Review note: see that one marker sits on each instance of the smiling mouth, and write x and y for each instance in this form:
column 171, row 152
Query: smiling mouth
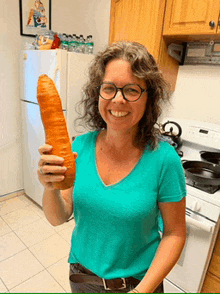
column 119, row 113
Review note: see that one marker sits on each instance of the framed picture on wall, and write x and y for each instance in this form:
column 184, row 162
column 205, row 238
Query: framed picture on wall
column 35, row 16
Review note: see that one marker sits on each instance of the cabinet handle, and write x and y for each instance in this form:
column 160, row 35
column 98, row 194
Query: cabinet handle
column 212, row 24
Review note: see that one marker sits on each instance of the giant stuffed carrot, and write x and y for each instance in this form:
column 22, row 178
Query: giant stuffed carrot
column 55, row 128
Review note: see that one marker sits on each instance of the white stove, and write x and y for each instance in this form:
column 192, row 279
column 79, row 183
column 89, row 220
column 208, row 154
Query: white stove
column 196, row 137
column 202, row 212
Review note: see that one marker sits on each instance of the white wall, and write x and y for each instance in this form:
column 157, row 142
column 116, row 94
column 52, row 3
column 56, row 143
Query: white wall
column 197, row 94
column 79, row 16
column 10, row 124
column 86, row 17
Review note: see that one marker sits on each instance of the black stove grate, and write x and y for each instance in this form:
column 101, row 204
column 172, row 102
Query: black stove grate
column 206, row 188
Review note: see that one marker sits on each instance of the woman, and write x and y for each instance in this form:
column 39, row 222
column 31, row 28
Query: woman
column 125, row 177
column 38, row 14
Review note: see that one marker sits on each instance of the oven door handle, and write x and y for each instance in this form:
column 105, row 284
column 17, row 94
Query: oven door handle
column 198, row 224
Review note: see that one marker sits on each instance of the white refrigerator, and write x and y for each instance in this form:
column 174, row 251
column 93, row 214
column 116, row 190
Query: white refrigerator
column 69, row 72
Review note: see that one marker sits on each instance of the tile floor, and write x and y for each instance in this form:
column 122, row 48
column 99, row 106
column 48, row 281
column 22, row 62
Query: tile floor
column 33, row 254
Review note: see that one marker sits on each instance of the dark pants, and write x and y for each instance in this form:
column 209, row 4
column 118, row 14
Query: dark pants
column 88, row 288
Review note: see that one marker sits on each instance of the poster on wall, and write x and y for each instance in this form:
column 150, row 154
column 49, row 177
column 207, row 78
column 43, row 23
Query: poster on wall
column 35, row 16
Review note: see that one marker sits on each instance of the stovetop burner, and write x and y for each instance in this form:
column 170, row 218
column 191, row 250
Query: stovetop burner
column 198, row 137
column 206, row 188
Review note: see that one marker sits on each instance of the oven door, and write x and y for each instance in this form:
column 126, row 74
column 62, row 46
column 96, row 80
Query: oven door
column 170, row 288
column 189, row 272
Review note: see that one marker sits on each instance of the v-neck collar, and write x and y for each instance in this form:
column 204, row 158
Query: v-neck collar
column 97, row 171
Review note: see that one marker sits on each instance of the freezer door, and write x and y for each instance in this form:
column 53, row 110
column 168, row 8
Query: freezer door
column 32, row 138
column 37, row 62
column 78, row 65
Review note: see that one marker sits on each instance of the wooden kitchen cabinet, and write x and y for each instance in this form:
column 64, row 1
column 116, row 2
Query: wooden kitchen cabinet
column 142, row 21
column 212, row 284
column 138, row 20
column 212, row 280
column 191, row 17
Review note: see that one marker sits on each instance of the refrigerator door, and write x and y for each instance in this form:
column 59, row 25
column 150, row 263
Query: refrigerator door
column 78, row 65
column 32, row 138
column 37, row 62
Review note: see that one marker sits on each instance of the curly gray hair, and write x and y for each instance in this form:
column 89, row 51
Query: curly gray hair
column 143, row 66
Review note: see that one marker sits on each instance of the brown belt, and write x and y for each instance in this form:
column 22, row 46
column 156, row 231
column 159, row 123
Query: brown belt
column 86, row 276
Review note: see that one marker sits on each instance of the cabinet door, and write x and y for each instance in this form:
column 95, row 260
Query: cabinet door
column 212, row 279
column 191, row 17
column 211, row 284
column 138, row 20
column 214, row 267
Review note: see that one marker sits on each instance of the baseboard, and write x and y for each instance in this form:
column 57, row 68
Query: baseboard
column 11, row 195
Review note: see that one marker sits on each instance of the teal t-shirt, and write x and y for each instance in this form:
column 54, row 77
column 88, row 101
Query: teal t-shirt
column 117, row 228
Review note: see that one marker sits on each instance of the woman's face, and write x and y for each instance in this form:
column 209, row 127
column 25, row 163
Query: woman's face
column 119, row 114
column 37, row 3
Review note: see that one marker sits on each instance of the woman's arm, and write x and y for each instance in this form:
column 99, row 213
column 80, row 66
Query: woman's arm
column 58, row 205
column 171, row 246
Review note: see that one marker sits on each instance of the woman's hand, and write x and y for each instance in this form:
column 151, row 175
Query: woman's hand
column 50, row 167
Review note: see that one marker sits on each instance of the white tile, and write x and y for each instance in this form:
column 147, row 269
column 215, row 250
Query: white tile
column 19, row 268
column 34, row 233
column 66, row 225
column 70, row 224
column 32, row 205
column 60, row 272
column 51, row 250
column 21, row 217
column 26, row 199
column 10, row 205
column 41, row 283
column 10, row 244
column 4, row 228
column 66, row 234
column 3, row 288
column 37, row 209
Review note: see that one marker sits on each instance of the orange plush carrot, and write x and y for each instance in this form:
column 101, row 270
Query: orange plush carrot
column 55, row 128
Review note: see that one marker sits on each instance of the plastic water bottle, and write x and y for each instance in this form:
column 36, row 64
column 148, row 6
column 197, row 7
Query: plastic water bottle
column 69, row 39
column 72, row 43
column 86, row 51
column 77, row 44
column 81, row 44
column 64, row 42
column 89, row 45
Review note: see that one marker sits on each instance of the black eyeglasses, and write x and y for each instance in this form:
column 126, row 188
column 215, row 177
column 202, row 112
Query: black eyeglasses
column 130, row 92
